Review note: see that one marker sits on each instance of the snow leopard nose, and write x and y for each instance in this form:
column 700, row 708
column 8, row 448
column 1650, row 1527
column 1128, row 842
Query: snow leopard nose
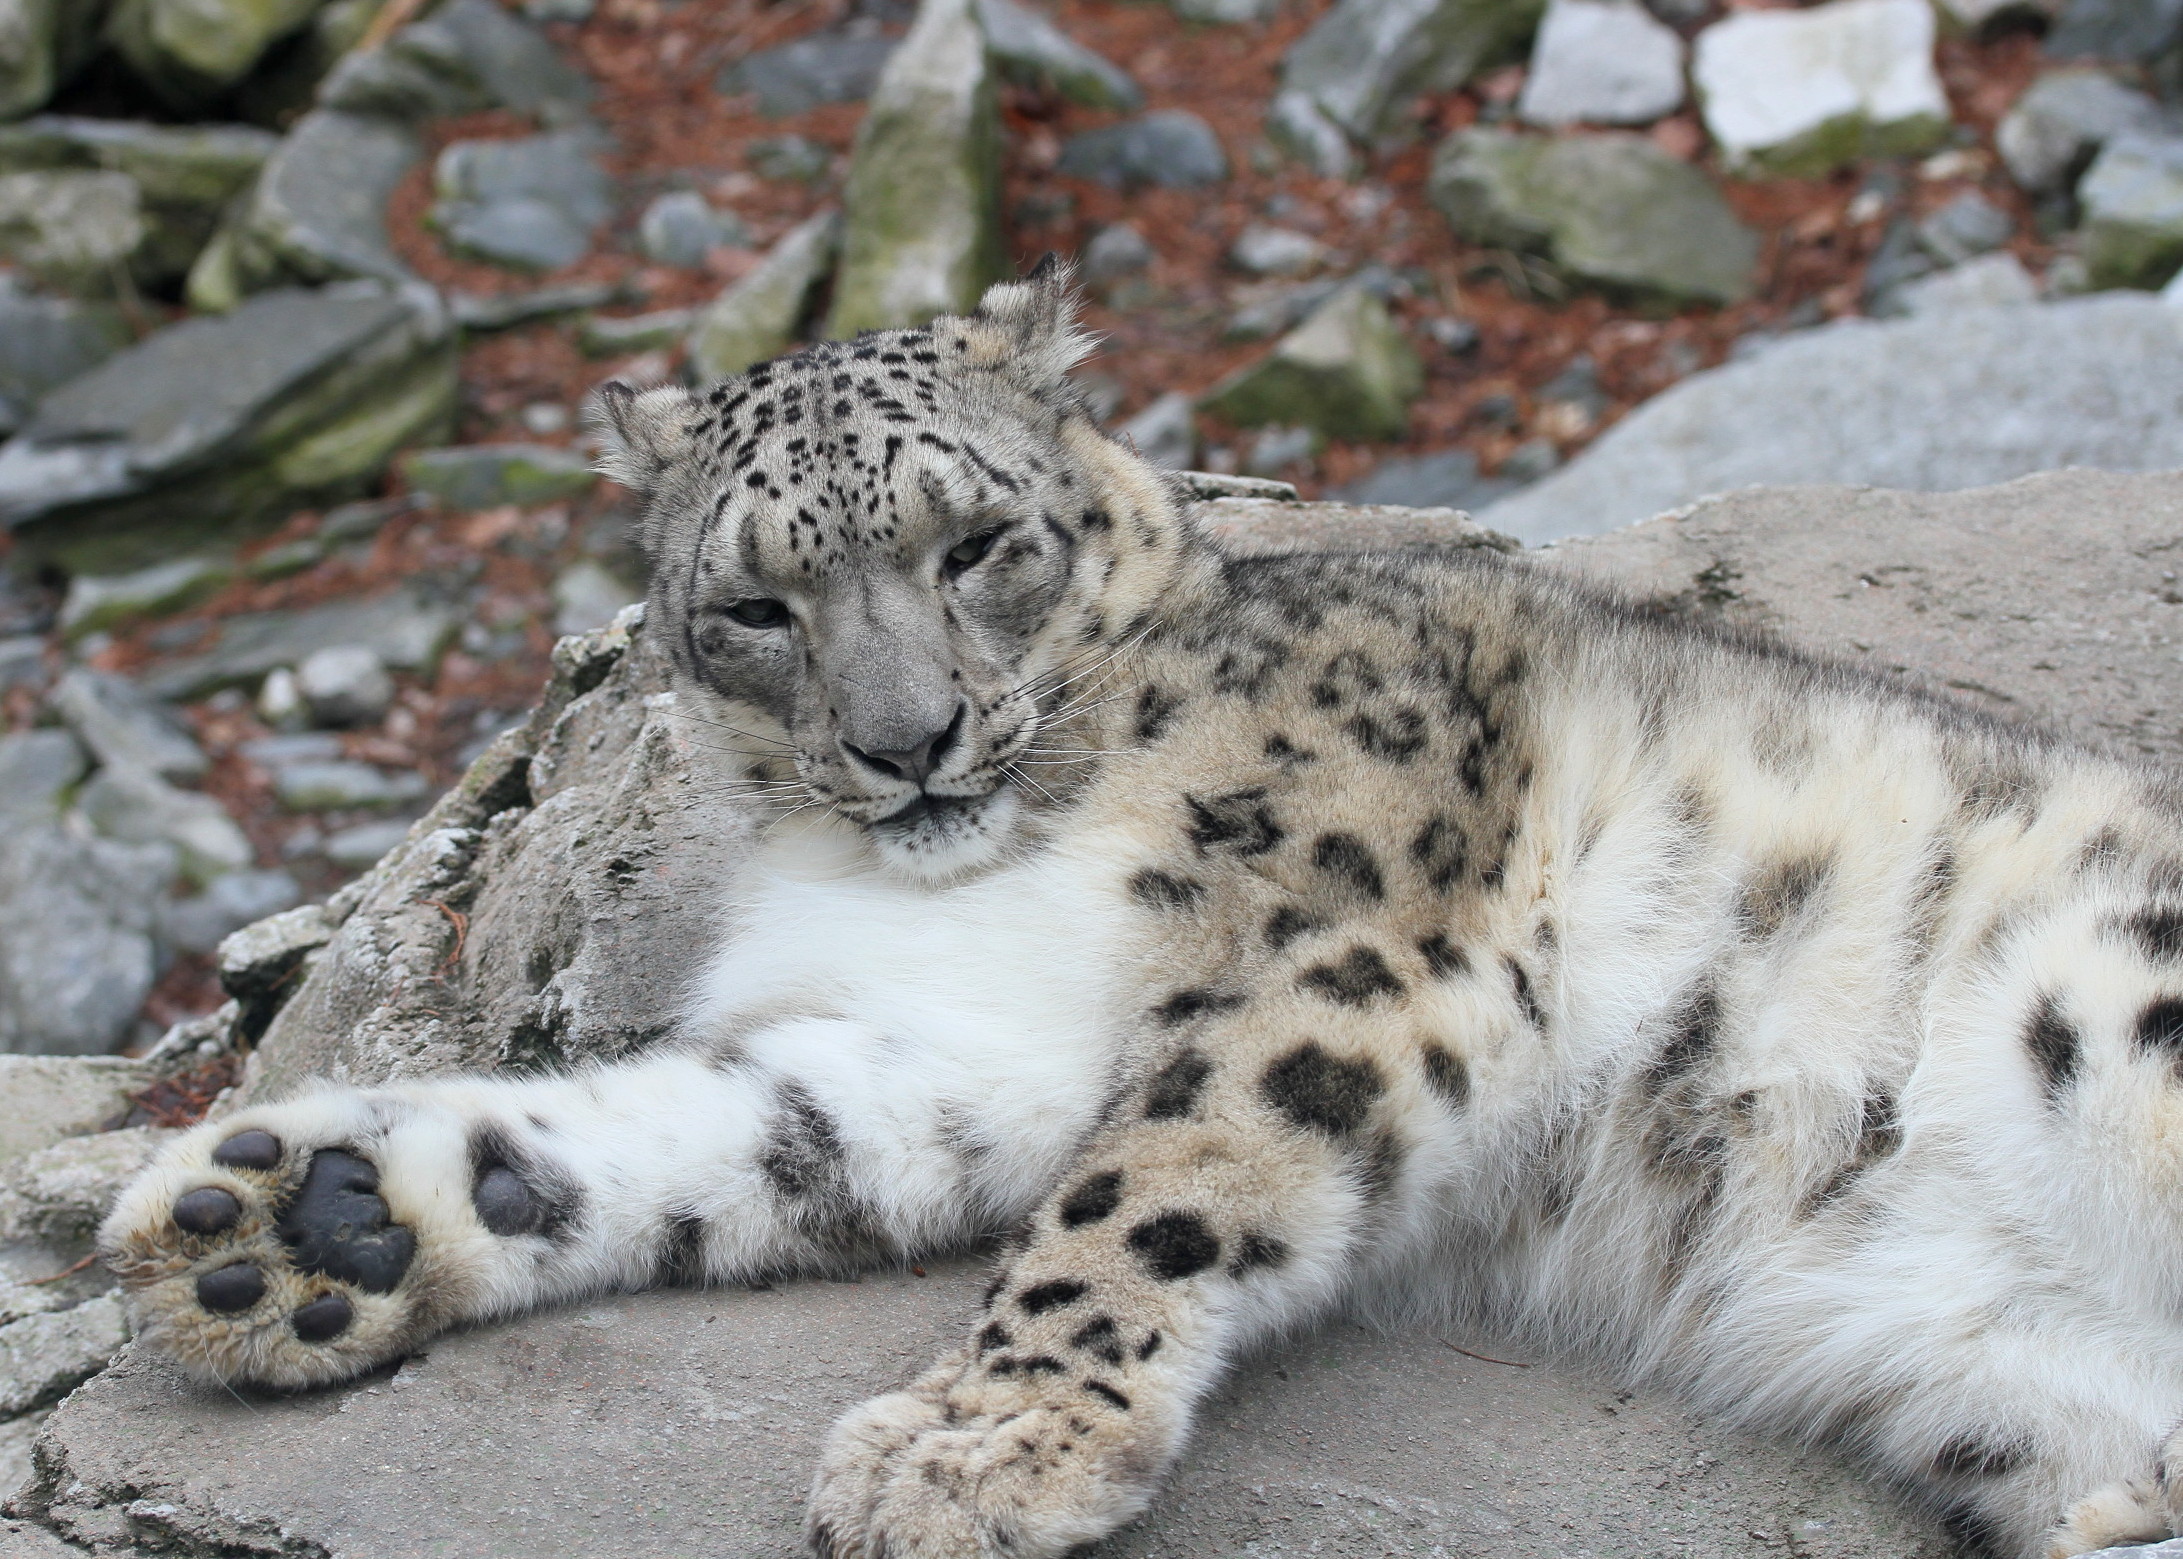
column 914, row 763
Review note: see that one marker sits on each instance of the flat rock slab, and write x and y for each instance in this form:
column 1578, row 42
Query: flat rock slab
column 686, row 1422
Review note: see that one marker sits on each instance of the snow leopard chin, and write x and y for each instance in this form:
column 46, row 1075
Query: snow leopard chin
column 937, row 840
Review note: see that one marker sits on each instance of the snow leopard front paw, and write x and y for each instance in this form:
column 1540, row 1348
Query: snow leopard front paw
column 957, row 1466
column 291, row 1246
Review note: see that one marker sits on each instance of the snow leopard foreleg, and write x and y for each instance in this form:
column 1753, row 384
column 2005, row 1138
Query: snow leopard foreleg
column 304, row 1242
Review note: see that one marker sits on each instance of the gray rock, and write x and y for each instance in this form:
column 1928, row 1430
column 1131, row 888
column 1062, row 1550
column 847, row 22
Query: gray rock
column 1171, row 147
column 1447, row 480
column 1991, row 281
column 76, row 957
column 258, row 961
column 125, row 727
column 360, row 848
column 559, row 10
column 229, row 903
column 1269, row 308
column 344, row 684
column 1226, row 12
column 1944, row 401
column 800, row 76
column 44, row 1357
column 1031, row 51
column 340, row 782
column 793, row 159
column 1602, row 62
column 96, row 602
column 406, row 631
column 921, row 232
column 2132, row 197
column 1962, row 228
column 1277, row 448
column 2138, row 30
column 2052, row 132
column 587, row 596
column 1361, row 63
column 1805, row 91
column 28, row 1542
column 51, row 1097
column 22, row 661
column 617, row 335
column 43, row 43
column 75, row 232
column 1529, row 461
column 762, row 315
column 136, row 806
column 286, row 83
column 190, row 52
column 2172, row 1549
column 1346, row 372
column 483, row 476
column 1115, row 251
column 1264, row 250
column 1611, row 211
column 682, row 227
column 37, row 769
column 272, row 752
column 209, row 428
column 1165, row 432
column 465, row 56
column 530, row 203
column 45, row 342
column 501, row 311
column 58, row 1194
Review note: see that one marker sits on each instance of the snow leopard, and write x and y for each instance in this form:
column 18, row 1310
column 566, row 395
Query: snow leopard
column 1251, row 939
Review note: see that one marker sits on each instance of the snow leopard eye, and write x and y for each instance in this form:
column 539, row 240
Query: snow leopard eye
column 968, row 553
column 759, row 613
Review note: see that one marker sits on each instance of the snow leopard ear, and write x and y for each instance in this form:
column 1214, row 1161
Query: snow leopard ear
column 1028, row 328
column 641, row 433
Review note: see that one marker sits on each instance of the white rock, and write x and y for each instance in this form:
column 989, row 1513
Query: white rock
column 1165, row 432
column 1276, row 251
column 44, row 1356
column 60, row 1193
column 202, row 923
column 1807, row 90
column 122, row 724
column 2065, row 116
column 136, row 806
column 344, row 684
column 51, row 1097
column 1115, row 251
column 359, row 848
column 280, row 700
column 1602, row 62
column 1990, row 281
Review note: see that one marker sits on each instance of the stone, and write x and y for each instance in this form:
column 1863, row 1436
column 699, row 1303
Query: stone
column 530, row 203
column 1171, row 148
column 43, row 43
column 617, row 335
column 587, row 596
column 1116, row 251
column 465, row 56
column 44, row 1357
column 37, row 771
column 1611, row 211
column 405, row 630
column 764, row 314
column 1351, row 75
column 1346, row 372
column 921, row 233
column 77, row 956
column 484, row 476
column 280, row 701
column 22, row 661
column 2132, row 197
column 136, row 806
column 360, row 848
column 80, row 233
column 559, row 10
column 1602, row 62
column 1942, row 401
column 504, row 310
column 229, row 903
column 1988, row 17
column 189, row 52
column 96, row 602
column 258, row 961
column 1032, row 52
column 1277, row 448
column 2053, row 131
column 45, row 342
column 124, row 727
column 2130, row 30
column 1800, row 92
column 211, row 428
column 682, row 227
column 1214, row 13
column 51, row 1097
column 58, row 1194
column 17, row 1539
column 793, row 159
column 1264, row 309
column 340, row 782
column 2171, row 1549
column 1264, row 250
column 344, row 684
column 1964, row 227
column 800, row 76
column 317, row 212
column 286, row 83
column 1447, row 480
column 1165, row 432
column 1991, row 281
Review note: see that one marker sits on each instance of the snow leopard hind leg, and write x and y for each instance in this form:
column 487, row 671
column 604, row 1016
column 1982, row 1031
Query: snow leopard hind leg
column 303, row 1243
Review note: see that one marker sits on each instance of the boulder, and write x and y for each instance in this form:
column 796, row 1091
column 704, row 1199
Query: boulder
column 795, row 159
column 1611, row 211
column 78, row 954
column 764, row 314
column 341, row 783
column 2132, row 197
column 37, row 771
column 2051, row 133
column 1031, row 51
column 682, row 227
column 484, row 476
column 617, row 335
column 123, row 727
column 344, row 684
column 1349, row 77
column 1963, row 228
column 1346, row 372
column 190, row 52
column 97, row 602
column 1116, row 251
column 465, row 56
column 58, row 1194
column 1991, row 281
column 1602, row 62
column 44, row 1357
column 79, row 233
column 587, row 595
column 45, row 342
column 1943, row 401
column 921, row 234
column 43, row 43
column 51, row 1097
column 800, row 76
column 1165, row 432
column 2138, row 31
column 199, row 924
column 405, row 629
column 363, row 846
column 1800, row 92
column 286, row 83
column 210, row 428
column 1172, row 148
column 1265, row 250
column 529, row 203
column 136, row 806
column 1447, row 480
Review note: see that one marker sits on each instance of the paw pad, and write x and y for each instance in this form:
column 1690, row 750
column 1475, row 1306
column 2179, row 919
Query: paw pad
column 323, row 1319
column 232, row 1288
column 337, row 1225
column 207, row 1210
column 248, row 1150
